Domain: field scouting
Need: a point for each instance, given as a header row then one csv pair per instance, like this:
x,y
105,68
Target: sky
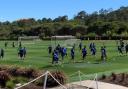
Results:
x,y
18,9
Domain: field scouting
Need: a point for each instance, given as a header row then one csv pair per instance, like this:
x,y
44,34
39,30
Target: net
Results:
x,y
28,39
65,41
71,42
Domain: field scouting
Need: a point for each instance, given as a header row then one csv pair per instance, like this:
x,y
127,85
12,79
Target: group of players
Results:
x,y
21,50
62,51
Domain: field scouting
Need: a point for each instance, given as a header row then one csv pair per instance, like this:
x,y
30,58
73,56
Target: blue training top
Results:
x,y
56,57
64,50
84,51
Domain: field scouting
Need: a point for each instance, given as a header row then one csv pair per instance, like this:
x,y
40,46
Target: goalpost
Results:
x,y
65,41
28,39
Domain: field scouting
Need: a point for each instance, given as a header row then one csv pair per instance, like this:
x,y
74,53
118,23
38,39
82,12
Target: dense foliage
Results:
x,y
103,23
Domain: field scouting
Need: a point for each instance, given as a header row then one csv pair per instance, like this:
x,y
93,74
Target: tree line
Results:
x,y
105,22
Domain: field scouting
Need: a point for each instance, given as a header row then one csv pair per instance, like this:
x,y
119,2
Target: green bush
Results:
x,y
20,80
10,84
92,34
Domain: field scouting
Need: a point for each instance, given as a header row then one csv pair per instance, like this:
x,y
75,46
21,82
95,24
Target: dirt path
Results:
x,y
101,85
85,84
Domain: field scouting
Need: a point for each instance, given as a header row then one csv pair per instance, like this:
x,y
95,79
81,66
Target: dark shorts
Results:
x,y
72,55
50,52
2,55
84,55
126,50
21,54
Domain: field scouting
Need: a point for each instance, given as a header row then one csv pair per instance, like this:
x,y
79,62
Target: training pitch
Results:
x,y
38,57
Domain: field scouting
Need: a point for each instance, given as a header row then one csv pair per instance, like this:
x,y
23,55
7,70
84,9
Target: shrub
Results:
x,y
113,77
29,73
61,78
19,80
10,84
91,34
12,71
103,77
4,77
122,77
58,75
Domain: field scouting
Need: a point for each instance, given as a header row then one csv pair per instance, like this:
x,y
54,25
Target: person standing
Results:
x,y
50,49
13,44
2,53
55,57
20,44
62,53
126,48
72,53
93,51
120,50
103,54
80,45
24,52
21,53
6,44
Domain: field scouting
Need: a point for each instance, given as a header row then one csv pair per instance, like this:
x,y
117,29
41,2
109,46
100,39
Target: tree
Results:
x,y
79,29
61,19
65,30
81,15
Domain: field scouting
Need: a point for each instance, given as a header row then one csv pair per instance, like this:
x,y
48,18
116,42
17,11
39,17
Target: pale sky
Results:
x,y
17,9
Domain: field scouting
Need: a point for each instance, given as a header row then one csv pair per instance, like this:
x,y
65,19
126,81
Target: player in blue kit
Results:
x,y
84,52
55,57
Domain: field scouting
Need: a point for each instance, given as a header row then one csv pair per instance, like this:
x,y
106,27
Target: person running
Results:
x,y
2,53
126,48
84,52
24,52
103,54
72,53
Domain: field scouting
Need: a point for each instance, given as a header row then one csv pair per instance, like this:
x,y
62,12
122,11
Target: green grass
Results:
x,y
37,57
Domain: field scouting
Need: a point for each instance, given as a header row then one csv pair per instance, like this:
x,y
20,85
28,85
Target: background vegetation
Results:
x,y
102,23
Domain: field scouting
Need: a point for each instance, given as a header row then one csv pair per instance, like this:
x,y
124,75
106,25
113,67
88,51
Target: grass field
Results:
x,y
37,57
